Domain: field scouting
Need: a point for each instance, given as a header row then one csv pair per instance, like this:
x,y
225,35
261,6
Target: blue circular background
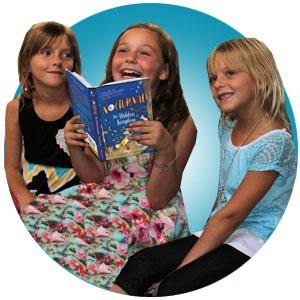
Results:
x,y
195,34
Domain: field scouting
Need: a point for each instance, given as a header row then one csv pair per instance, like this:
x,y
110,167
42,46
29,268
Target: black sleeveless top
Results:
x,y
44,144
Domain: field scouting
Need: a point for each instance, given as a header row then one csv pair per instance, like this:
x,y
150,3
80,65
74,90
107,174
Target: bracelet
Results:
x,y
164,167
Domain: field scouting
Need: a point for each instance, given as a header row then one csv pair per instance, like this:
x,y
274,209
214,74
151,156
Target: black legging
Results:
x,y
159,264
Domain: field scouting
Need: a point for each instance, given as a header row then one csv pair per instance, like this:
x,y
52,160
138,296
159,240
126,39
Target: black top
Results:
x,y
43,140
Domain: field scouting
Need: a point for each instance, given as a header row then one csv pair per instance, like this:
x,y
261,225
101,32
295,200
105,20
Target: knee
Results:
x,y
167,287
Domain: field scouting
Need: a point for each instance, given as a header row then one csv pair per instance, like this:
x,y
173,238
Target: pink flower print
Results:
x,y
92,269
31,210
167,222
136,171
45,237
78,204
76,266
124,212
57,237
75,229
78,217
80,242
105,185
156,231
144,203
103,194
81,254
121,224
139,218
87,189
90,231
123,249
118,177
57,199
101,231
143,237
103,268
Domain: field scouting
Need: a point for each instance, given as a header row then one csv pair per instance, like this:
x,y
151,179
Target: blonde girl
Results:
x,y
257,173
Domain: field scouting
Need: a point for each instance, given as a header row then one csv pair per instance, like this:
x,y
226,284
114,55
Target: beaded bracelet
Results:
x,y
164,167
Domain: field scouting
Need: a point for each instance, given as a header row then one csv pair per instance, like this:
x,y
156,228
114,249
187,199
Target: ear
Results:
x,y
164,73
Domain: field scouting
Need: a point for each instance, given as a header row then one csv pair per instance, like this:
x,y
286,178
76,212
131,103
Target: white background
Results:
x,y
26,272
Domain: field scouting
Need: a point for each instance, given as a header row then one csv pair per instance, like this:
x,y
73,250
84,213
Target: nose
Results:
x,y
57,60
131,57
219,81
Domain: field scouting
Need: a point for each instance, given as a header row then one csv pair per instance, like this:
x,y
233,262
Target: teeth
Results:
x,y
130,73
225,96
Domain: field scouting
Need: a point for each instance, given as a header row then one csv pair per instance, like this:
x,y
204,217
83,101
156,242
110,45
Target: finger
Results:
x,y
74,119
73,127
140,129
75,136
141,123
70,142
140,137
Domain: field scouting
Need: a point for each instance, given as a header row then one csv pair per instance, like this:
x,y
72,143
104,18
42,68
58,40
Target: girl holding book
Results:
x,y
129,203
38,115
257,173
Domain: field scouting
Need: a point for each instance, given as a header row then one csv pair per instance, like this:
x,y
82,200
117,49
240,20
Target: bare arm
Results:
x,y
222,225
13,154
164,183
85,163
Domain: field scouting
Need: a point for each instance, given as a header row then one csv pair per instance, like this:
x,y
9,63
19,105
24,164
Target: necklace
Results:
x,y
221,190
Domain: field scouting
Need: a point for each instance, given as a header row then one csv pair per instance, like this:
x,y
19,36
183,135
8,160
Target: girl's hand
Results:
x,y
71,134
153,134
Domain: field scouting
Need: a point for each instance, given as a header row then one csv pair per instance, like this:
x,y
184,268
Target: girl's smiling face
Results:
x,y
138,54
48,65
232,89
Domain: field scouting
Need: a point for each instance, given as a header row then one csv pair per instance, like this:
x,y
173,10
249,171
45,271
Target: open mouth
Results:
x,y
224,96
128,73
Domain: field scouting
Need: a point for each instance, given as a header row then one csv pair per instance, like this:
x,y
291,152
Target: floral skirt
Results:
x,y
91,232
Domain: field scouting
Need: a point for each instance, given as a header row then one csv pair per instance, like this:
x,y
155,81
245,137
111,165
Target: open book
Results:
x,y
106,111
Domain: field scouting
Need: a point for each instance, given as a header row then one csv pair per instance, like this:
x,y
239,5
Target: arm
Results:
x,y
164,184
13,152
223,223
85,163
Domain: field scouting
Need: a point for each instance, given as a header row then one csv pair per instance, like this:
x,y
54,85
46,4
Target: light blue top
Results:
x,y
272,151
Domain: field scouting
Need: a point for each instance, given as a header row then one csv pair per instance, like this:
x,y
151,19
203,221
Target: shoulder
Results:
x,y
12,107
275,148
278,138
188,128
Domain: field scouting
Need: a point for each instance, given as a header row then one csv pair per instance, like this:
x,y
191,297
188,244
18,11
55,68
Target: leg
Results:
x,y
152,264
203,271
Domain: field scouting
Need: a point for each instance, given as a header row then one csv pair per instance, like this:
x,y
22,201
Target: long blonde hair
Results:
x,y
253,57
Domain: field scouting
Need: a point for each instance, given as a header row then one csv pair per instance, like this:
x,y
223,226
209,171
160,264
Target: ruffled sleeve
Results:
x,y
276,153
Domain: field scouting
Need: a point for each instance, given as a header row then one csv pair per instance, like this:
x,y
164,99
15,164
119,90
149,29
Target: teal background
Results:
x,y
195,34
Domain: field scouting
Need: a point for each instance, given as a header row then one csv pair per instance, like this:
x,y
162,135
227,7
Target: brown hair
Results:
x,y
253,57
169,105
41,35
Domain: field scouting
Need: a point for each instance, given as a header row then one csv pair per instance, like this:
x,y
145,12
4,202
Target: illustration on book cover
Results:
x,y
107,111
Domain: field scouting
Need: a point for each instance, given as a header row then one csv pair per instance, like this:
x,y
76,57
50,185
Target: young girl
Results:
x,y
38,115
133,202
257,174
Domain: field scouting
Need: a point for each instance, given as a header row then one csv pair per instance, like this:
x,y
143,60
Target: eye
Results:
x,y
122,50
212,79
145,53
230,73
66,55
45,52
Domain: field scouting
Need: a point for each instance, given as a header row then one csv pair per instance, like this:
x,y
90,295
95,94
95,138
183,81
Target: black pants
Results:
x,y
159,263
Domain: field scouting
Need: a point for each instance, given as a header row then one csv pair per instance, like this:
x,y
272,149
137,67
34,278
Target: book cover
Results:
x,y
106,111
